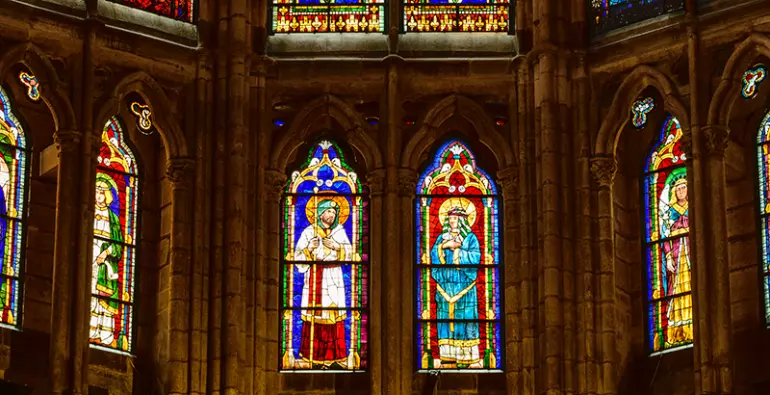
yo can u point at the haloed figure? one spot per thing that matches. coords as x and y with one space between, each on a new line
323 327
456 300
106 325
677 252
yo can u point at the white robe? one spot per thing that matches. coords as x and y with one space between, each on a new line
102 320
332 282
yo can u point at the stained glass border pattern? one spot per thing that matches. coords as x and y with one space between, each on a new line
487 16
336 16
763 208
613 14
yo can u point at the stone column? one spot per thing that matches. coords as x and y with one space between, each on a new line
180 172
604 169
375 181
508 179
716 140
68 142
275 182
407 185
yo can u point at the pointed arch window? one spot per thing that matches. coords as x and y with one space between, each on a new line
763 173
667 242
458 265
114 242
14 180
325 266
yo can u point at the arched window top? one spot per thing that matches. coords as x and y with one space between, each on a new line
10 129
764 129
115 153
668 150
325 171
454 171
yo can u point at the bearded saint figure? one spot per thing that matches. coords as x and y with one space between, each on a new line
323 328
107 252
675 222
456 291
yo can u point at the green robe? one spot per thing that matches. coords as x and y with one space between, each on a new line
104 284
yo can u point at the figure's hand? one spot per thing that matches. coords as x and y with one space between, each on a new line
670 266
331 244
451 245
102 257
313 244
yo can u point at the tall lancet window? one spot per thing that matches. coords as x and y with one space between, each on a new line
458 265
325 266
763 173
667 229
13 198
114 243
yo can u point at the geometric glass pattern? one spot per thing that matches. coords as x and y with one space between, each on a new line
763 162
327 16
13 190
612 14
667 242
114 243
457 15
32 84
751 80
143 120
325 266
639 110
181 10
458 265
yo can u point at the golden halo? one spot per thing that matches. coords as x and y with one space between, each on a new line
342 202
462 202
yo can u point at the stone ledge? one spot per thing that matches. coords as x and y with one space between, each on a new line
327 43
458 42
129 17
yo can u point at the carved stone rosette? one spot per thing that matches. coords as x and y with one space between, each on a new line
67 140
407 182
179 171
716 139
603 169
275 182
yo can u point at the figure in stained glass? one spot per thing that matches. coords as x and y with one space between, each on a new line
668 243
13 178
114 250
325 272
458 265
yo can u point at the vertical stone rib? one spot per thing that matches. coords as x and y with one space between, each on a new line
275 182
507 179
375 182
407 185
263 205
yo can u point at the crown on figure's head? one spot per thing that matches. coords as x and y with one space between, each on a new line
102 185
458 211
679 180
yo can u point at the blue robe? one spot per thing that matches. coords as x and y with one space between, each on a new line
454 280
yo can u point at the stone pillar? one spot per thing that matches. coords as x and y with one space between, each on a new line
68 142
375 181
407 186
716 139
180 172
275 182
604 169
508 179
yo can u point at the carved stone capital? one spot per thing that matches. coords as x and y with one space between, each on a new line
716 139
407 182
686 144
179 171
508 180
67 140
275 182
375 181
603 169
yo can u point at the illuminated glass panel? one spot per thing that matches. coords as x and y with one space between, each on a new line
325 274
751 80
327 16
178 9
457 15
639 111
667 241
114 242
32 84
763 163
457 265
612 14
13 197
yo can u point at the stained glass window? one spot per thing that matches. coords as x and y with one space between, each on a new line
667 242
457 15
32 84
639 111
325 270
458 265
182 10
751 80
327 16
612 14
763 162
114 242
13 198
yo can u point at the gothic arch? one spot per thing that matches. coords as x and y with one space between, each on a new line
305 123
144 85
54 95
617 116
729 87
431 131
